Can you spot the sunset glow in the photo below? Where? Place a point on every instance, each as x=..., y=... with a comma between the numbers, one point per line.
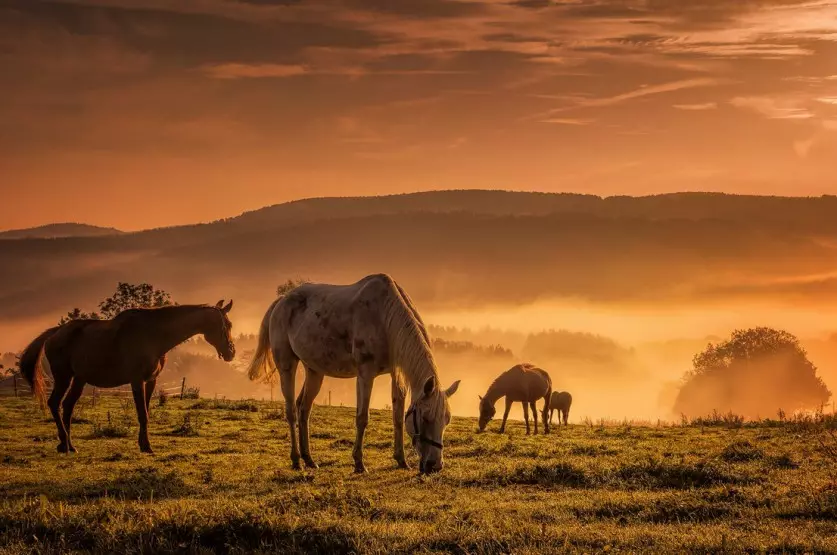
x=119, y=103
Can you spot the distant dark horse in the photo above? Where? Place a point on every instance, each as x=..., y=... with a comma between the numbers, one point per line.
x=129, y=349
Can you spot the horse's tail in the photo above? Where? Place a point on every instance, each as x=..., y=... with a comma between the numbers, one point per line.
x=263, y=359
x=30, y=365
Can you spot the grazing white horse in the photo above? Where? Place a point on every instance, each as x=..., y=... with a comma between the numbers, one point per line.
x=361, y=330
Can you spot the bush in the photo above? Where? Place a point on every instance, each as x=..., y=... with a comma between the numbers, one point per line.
x=192, y=393
x=755, y=373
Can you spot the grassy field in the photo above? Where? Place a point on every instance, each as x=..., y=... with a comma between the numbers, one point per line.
x=220, y=481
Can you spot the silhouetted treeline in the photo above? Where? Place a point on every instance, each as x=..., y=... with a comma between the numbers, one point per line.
x=454, y=248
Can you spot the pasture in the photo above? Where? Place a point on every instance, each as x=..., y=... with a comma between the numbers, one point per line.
x=220, y=481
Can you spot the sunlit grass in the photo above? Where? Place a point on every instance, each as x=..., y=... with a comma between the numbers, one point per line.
x=622, y=487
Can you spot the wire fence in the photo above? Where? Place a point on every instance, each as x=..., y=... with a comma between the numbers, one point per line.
x=15, y=386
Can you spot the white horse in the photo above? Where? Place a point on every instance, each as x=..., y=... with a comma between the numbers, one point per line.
x=361, y=330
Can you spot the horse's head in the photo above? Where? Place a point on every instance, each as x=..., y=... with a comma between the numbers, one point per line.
x=425, y=422
x=218, y=332
x=487, y=412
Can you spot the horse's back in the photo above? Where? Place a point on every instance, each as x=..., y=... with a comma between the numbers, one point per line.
x=332, y=328
x=561, y=400
x=528, y=382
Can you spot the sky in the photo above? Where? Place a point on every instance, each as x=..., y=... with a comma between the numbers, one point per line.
x=142, y=113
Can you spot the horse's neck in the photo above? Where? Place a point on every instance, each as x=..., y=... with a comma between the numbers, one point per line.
x=495, y=391
x=179, y=327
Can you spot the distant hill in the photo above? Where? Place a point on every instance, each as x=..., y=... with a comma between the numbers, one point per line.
x=455, y=248
x=52, y=231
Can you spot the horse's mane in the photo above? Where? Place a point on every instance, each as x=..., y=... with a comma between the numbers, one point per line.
x=411, y=357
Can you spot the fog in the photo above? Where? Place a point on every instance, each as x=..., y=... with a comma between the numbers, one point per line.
x=618, y=361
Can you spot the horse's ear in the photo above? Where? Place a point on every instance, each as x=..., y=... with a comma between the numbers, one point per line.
x=227, y=308
x=429, y=386
x=480, y=396
x=219, y=304
x=452, y=389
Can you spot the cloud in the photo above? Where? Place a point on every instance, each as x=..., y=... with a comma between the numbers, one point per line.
x=640, y=92
x=245, y=71
x=568, y=121
x=697, y=107
x=774, y=108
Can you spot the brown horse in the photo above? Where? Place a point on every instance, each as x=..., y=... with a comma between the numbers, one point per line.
x=560, y=401
x=129, y=349
x=524, y=383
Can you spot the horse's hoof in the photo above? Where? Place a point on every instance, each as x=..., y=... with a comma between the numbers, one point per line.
x=360, y=469
x=309, y=462
x=402, y=464
x=295, y=465
x=146, y=449
x=73, y=449
x=62, y=448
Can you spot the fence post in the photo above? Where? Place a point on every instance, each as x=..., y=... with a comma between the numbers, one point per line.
x=14, y=377
x=329, y=397
x=182, y=388
x=94, y=397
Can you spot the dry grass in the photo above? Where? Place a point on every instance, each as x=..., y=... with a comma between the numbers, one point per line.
x=622, y=488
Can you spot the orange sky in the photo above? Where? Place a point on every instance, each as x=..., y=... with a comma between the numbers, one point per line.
x=140, y=113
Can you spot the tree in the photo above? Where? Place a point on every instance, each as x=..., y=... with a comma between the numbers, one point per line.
x=285, y=288
x=127, y=296
x=77, y=314
x=755, y=372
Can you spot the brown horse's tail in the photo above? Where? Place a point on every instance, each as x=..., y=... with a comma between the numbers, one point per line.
x=30, y=365
x=262, y=360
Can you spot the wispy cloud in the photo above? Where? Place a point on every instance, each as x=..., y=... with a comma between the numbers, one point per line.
x=567, y=121
x=253, y=71
x=643, y=91
x=697, y=107
x=773, y=107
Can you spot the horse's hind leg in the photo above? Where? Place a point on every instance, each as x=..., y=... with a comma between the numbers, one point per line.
x=287, y=375
x=526, y=416
x=149, y=391
x=566, y=413
x=535, y=415
x=59, y=388
x=398, y=396
x=138, y=388
x=313, y=383
x=69, y=404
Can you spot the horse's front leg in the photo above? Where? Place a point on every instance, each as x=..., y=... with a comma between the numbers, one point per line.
x=138, y=388
x=364, y=394
x=505, y=415
x=398, y=396
x=526, y=417
x=310, y=390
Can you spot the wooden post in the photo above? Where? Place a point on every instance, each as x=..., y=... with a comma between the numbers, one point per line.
x=183, y=388
x=94, y=397
x=271, y=391
x=14, y=377
x=329, y=397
